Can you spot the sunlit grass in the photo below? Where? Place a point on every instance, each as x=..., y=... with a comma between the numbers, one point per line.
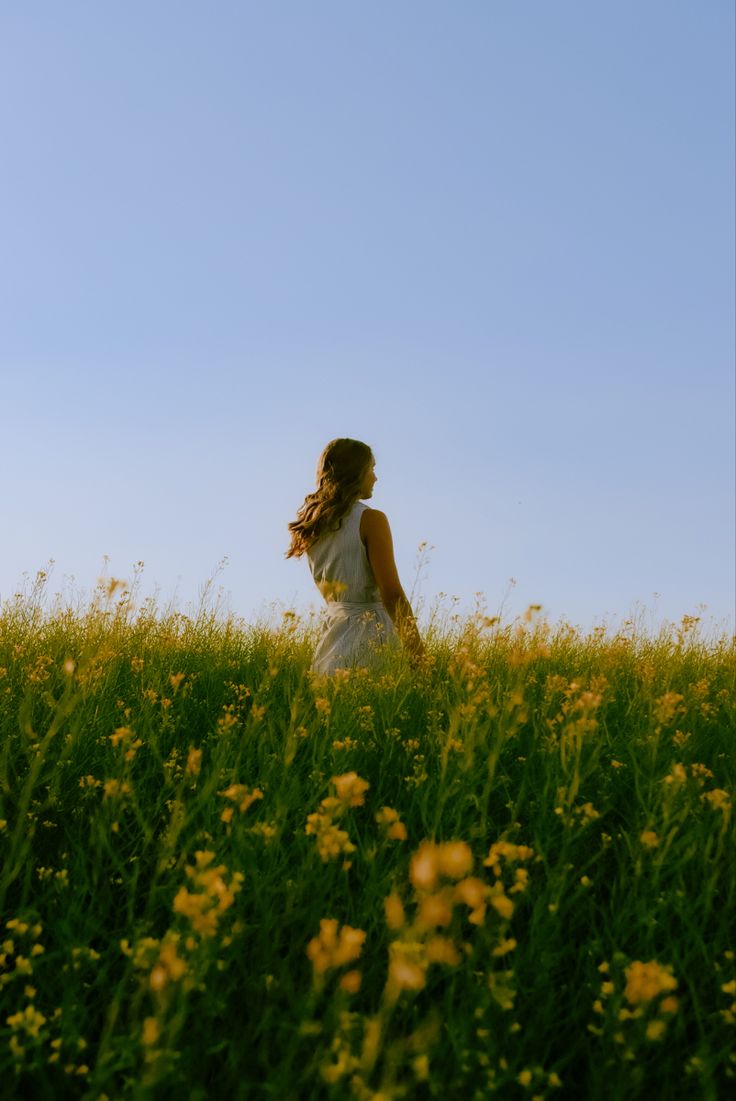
x=508, y=875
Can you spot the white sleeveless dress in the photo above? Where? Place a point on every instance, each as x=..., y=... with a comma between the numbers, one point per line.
x=358, y=625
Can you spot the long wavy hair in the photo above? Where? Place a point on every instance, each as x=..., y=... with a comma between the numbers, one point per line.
x=340, y=472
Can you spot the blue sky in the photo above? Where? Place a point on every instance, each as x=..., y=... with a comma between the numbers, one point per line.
x=493, y=240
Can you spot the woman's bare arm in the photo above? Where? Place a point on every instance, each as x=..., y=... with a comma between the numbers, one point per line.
x=376, y=534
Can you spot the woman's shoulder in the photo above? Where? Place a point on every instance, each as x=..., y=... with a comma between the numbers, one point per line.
x=372, y=515
x=372, y=520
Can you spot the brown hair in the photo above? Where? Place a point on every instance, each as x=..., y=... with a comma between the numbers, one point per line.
x=340, y=471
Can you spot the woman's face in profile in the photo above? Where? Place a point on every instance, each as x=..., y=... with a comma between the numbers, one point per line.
x=369, y=480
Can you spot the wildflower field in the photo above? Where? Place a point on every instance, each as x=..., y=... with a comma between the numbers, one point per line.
x=510, y=874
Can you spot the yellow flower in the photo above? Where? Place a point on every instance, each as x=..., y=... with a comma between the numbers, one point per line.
x=150, y=1032
x=649, y=838
x=122, y=734
x=509, y=852
x=394, y=911
x=646, y=980
x=28, y=1019
x=212, y=895
x=169, y=967
x=389, y=819
x=677, y=776
x=504, y=947
x=424, y=866
x=442, y=950
x=331, y=841
x=667, y=706
x=241, y=796
x=718, y=799
x=454, y=859
x=115, y=787
x=521, y=875
x=435, y=909
x=169, y=959
x=194, y=761
x=351, y=982
x=332, y=949
x=655, y=1030
x=350, y=788
x=403, y=973
x=473, y=892
x=502, y=905
x=420, y=1065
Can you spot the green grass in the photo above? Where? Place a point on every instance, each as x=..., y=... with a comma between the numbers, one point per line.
x=605, y=762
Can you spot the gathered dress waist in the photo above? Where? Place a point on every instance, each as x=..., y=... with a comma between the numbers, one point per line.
x=345, y=609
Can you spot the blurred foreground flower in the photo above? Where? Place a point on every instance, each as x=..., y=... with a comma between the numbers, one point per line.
x=333, y=947
x=211, y=896
x=331, y=841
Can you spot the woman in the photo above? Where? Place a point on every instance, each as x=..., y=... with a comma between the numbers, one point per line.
x=350, y=553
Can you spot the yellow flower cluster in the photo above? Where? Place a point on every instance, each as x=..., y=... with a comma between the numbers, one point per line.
x=211, y=896
x=452, y=859
x=334, y=946
x=241, y=796
x=510, y=854
x=194, y=761
x=81, y=953
x=718, y=800
x=22, y=963
x=475, y=690
x=267, y=830
x=125, y=737
x=160, y=960
x=729, y=1013
x=228, y=720
x=644, y=983
x=394, y=828
x=420, y=943
x=345, y=743
x=113, y=788
x=40, y=671
x=586, y=813
x=667, y=707
x=331, y=840
x=676, y=776
x=29, y=1020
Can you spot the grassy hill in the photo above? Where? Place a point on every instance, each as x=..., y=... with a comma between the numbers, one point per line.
x=508, y=875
